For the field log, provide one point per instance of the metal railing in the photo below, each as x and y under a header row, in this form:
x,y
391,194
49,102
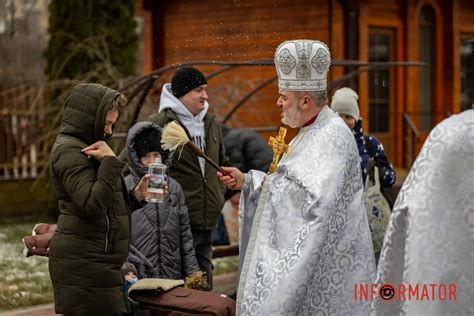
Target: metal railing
x,y
24,132
411,135
22,128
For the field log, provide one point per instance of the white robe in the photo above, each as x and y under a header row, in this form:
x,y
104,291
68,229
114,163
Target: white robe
x,y
309,239
430,237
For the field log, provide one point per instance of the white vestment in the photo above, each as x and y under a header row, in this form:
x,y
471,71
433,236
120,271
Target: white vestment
x,y
430,237
309,241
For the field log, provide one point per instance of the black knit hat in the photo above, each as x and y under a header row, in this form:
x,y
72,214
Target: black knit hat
x,y
147,141
186,79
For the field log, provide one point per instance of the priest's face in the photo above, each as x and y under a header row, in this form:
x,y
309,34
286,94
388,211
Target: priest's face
x,y
289,104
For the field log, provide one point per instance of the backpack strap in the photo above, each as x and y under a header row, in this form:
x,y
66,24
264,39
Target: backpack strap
x,y
376,182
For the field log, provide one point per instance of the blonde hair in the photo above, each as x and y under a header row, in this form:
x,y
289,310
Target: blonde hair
x,y
118,103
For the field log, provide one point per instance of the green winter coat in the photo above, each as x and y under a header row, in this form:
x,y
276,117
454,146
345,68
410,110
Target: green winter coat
x,y
204,195
92,239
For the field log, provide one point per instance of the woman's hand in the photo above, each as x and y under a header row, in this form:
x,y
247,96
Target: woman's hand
x,y
98,150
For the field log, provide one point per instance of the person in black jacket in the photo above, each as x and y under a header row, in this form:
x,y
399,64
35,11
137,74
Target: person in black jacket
x,y
185,101
161,238
246,150
91,240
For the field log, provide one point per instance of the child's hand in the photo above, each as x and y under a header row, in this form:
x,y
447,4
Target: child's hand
x,y
165,186
140,190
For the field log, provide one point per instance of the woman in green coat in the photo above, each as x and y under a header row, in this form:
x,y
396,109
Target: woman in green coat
x,y
92,238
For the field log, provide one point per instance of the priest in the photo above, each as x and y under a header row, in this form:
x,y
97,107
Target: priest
x,y
428,252
305,239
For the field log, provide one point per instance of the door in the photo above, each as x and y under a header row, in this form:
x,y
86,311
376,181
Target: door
x,y
382,89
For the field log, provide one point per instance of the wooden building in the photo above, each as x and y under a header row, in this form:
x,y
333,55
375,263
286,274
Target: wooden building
x,y
436,32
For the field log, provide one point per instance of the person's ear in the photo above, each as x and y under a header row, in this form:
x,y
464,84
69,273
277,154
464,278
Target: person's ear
x,y
305,102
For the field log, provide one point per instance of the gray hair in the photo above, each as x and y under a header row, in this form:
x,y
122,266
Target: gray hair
x,y
319,97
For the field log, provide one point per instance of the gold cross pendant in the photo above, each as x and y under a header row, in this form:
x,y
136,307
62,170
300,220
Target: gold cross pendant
x,y
279,148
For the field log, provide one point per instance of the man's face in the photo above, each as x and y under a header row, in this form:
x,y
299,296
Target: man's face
x,y
110,120
291,114
194,100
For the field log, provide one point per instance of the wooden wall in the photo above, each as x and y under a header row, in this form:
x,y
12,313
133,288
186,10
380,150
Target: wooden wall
x,y
387,15
145,16
238,30
452,18
229,30
462,24
242,31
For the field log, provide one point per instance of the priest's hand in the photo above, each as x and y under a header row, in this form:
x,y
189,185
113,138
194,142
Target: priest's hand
x,y
236,179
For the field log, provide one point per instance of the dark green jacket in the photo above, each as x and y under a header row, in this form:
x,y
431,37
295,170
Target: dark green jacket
x,y
204,195
92,239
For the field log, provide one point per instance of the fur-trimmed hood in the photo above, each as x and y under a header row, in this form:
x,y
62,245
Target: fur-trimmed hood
x,y
137,169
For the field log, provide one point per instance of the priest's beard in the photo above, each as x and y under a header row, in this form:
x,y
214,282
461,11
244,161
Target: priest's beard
x,y
292,117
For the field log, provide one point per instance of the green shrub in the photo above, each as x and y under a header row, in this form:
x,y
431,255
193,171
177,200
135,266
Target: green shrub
x,y
87,36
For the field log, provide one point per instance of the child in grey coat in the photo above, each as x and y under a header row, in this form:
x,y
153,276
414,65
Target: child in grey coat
x,y
161,239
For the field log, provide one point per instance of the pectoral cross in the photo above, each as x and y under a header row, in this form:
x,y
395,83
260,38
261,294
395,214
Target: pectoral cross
x,y
279,148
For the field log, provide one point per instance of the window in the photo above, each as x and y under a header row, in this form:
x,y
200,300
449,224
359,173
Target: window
x,y
380,80
467,72
426,54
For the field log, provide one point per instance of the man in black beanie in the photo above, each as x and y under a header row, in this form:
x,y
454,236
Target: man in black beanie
x,y
185,79
185,100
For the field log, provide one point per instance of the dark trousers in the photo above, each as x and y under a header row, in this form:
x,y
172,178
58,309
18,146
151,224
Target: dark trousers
x,y
220,236
203,249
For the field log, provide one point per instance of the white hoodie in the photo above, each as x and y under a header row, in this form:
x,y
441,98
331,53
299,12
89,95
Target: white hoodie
x,y
194,124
